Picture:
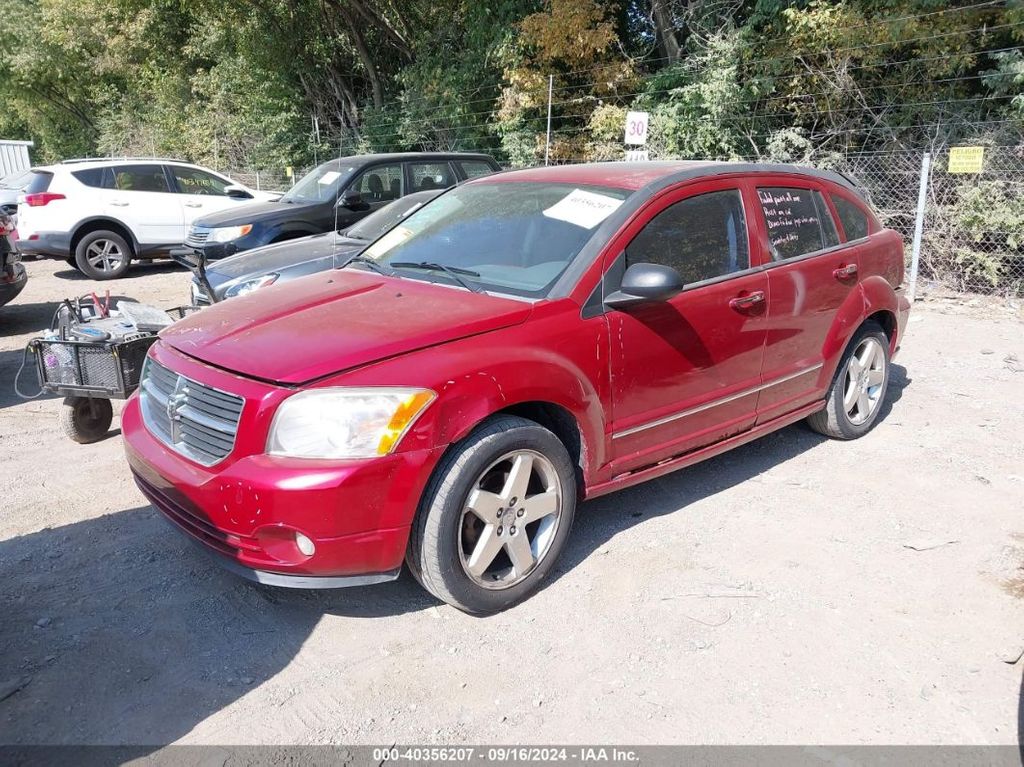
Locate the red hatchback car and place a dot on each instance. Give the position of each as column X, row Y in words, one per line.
column 524, row 341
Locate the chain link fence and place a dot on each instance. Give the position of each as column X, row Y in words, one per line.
column 973, row 237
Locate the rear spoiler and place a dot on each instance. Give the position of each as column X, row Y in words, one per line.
column 857, row 187
column 195, row 261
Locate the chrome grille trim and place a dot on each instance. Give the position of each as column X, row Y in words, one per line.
column 197, row 235
column 191, row 418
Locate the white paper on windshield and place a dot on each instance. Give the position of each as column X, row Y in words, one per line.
column 582, row 208
column 329, row 177
column 395, row 237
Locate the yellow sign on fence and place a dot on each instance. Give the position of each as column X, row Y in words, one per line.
column 966, row 159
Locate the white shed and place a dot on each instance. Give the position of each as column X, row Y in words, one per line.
column 14, row 156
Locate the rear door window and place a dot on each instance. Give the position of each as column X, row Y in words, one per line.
column 701, row 237
column 855, row 222
column 98, row 178
column 380, row 184
column 794, row 224
column 140, row 178
column 431, row 175
column 195, row 181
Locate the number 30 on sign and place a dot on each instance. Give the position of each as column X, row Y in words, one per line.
column 636, row 128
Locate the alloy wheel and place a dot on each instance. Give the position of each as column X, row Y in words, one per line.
column 865, row 377
column 510, row 518
column 104, row 255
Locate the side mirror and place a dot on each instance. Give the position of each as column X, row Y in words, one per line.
column 646, row 282
column 237, row 193
column 352, row 200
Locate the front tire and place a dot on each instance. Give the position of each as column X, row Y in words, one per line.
column 495, row 516
column 858, row 389
column 103, row 255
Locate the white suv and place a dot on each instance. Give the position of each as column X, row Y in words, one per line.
column 101, row 214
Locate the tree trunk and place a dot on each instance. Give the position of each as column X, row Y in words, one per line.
column 664, row 30
column 359, row 43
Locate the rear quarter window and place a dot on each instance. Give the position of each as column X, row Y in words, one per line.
column 853, row 219
column 475, row 168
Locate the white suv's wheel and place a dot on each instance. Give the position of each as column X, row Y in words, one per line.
column 103, row 255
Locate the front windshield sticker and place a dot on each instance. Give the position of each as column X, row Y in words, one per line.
column 329, row 177
column 395, row 237
column 582, row 208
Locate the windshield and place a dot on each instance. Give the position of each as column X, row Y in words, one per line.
column 374, row 225
column 509, row 237
column 16, row 180
column 321, row 184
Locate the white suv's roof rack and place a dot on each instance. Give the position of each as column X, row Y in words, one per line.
column 121, row 159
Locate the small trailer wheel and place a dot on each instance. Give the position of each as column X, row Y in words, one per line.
column 86, row 419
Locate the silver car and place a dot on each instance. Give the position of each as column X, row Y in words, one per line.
column 10, row 187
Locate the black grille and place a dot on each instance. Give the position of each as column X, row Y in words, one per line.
column 196, row 420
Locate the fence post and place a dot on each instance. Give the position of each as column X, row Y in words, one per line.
column 922, row 197
column 257, row 181
column 547, row 144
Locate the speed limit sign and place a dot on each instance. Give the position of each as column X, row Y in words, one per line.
column 636, row 127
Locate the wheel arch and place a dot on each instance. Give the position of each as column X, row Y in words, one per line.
column 560, row 422
column 874, row 299
column 100, row 223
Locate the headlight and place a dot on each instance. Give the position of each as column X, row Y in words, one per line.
column 250, row 285
column 229, row 233
column 345, row 422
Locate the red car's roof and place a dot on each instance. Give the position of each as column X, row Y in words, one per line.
column 620, row 175
column 637, row 175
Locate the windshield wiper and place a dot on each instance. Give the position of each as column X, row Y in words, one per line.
column 454, row 272
column 361, row 259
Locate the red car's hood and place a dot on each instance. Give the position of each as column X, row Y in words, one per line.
column 335, row 321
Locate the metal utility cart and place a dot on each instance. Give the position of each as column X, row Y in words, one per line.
column 95, row 354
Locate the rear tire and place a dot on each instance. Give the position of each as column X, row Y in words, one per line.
column 72, row 262
column 494, row 517
column 86, row 419
column 857, row 393
column 103, row 255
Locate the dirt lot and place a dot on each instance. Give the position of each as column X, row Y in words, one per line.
column 775, row 594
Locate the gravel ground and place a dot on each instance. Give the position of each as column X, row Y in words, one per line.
column 795, row 590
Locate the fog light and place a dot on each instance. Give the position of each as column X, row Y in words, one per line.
column 305, row 545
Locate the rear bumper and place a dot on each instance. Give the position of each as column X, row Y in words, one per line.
column 12, row 280
column 902, row 319
column 49, row 244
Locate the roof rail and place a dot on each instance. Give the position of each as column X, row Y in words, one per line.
column 119, row 159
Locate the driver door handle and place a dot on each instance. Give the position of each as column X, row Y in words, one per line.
column 193, row 205
column 747, row 302
column 119, row 203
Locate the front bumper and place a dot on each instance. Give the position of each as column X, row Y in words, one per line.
column 50, row 244
column 247, row 508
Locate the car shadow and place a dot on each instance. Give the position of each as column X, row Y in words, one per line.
column 118, row 630
column 600, row 519
column 138, row 268
column 161, row 637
